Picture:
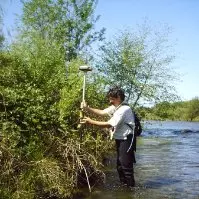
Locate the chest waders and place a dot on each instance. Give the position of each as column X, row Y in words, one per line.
column 125, row 160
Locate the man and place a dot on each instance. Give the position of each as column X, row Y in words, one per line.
column 122, row 124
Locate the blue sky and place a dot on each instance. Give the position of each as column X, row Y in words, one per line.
column 181, row 15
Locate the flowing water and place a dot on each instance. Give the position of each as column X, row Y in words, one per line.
column 167, row 164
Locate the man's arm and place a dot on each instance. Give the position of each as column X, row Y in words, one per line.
column 93, row 110
column 97, row 123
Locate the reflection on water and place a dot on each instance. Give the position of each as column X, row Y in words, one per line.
column 167, row 164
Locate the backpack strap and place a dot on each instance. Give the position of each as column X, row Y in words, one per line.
column 132, row 137
column 132, row 128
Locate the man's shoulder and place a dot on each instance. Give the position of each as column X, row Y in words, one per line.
column 124, row 108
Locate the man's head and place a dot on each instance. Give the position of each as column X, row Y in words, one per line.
column 116, row 95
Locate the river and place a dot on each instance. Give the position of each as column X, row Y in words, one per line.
column 167, row 164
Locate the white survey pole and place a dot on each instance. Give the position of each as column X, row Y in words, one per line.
column 85, row 69
column 84, row 87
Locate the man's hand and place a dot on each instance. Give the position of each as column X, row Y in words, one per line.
column 102, row 124
column 87, row 120
column 88, row 109
column 84, row 106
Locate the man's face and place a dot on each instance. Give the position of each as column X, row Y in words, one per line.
column 115, row 101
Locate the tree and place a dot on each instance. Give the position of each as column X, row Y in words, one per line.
column 38, row 109
column 193, row 109
column 1, row 31
column 68, row 22
column 139, row 62
column 162, row 110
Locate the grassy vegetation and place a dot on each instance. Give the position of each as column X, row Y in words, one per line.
column 42, row 153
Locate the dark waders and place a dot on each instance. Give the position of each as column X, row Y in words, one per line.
column 125, row 160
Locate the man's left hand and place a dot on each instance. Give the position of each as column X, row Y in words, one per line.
column 87, row 120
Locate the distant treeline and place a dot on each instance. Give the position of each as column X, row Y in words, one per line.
column 183, row 110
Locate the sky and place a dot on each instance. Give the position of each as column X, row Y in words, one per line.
column 181, row 15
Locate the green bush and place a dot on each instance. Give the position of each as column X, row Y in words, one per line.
column 41, row 150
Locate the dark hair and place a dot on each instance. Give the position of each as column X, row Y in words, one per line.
column 116, row 92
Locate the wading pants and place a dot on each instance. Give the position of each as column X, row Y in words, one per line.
column 125, row 161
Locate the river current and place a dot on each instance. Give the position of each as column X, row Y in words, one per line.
column 167, row 164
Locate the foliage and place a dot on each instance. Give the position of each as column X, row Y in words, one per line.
column 161, row 110
column 40, row 154
column 139, row 63
column 182, row 110
column 53, row 172
column 193, row 109
column 1, row 29
column 68, row 22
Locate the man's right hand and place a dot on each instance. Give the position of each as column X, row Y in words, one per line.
column 88, row 109
column 83, row 106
